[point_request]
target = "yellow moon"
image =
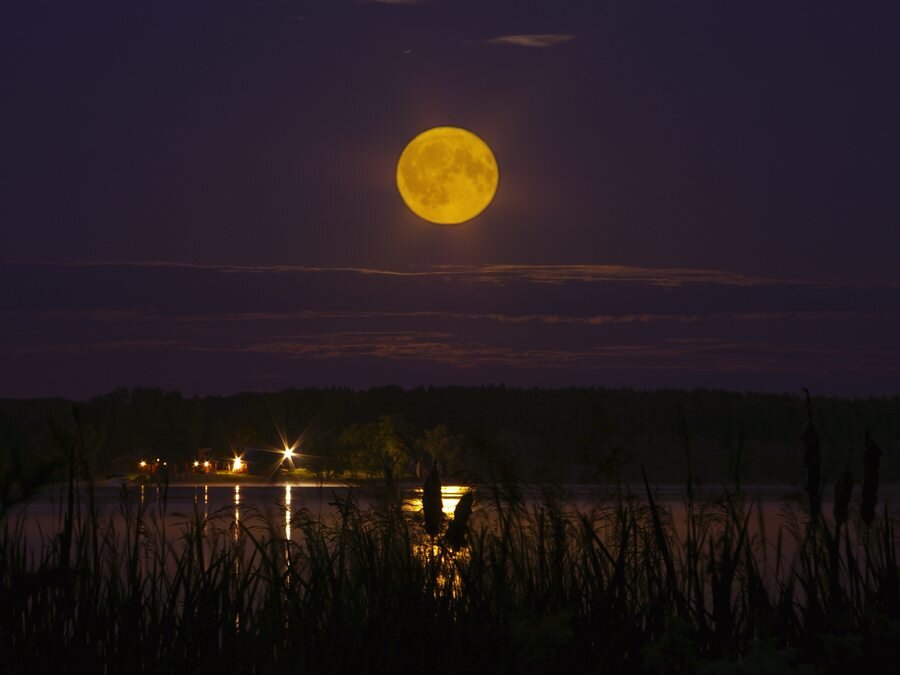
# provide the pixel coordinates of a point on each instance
(447, 175)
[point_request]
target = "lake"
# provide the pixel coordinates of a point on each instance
(225, 505)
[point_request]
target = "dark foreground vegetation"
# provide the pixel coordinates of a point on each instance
(527, 584)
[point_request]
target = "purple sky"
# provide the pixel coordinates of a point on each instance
(200, 195)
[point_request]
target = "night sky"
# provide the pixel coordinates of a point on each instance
(201, 195)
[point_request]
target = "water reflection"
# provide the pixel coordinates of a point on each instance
(237, 511)
(450, 496)
(237, 557)
(287, 550)
(205, 522)
(442, 562)
(287, 512)
(287, 531)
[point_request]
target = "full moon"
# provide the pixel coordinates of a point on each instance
(447, 175)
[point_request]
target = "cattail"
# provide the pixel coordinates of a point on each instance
(456, 530)
(432, 502)
(843, 489)
(812, 461)
(871, 461)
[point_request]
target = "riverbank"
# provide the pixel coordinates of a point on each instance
(174, 580)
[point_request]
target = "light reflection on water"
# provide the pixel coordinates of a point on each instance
(287, 547)
(450, 495)
(237, 558)
(287, 512)
(237, 511)
(444, 563)
(225, 509)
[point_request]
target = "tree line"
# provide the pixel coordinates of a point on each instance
(570, 434)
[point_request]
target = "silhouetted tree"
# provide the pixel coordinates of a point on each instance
(546, 433)
(439, 447)
(375, 447)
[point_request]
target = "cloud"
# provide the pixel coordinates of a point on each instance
(360, 324)
(517, 316)
(393, 2)
(106, 347)
(458, 347)
(130, 316)
(532, 40)
(667, 277)
(654, 276)
(697, 355)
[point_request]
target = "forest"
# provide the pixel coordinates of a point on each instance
(562, 435)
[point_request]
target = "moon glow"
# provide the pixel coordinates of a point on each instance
(447, 175)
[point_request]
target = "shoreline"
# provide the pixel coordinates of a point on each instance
(567, 490)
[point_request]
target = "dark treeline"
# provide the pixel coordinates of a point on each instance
(561, 434)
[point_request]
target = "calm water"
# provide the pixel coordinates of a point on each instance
(276, 504)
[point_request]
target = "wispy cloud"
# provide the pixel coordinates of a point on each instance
(543, 323)
(654, 276)
(699, 355)
(114, 315)
(105, 347)
(532, 40)
(489, 273)
(704, 355)
(392, 2)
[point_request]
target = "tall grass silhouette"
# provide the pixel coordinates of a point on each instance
(522, 579)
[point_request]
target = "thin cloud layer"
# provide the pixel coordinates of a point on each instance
(447, 349)
(532, 40)
(211, 328)
(103, 315)
(496, 273)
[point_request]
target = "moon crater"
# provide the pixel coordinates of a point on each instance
(447, 175)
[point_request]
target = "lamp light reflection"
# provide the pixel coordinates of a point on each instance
(237, 510)
(287, 512)
(450, 496)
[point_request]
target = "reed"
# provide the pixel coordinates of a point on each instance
(527, 582)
